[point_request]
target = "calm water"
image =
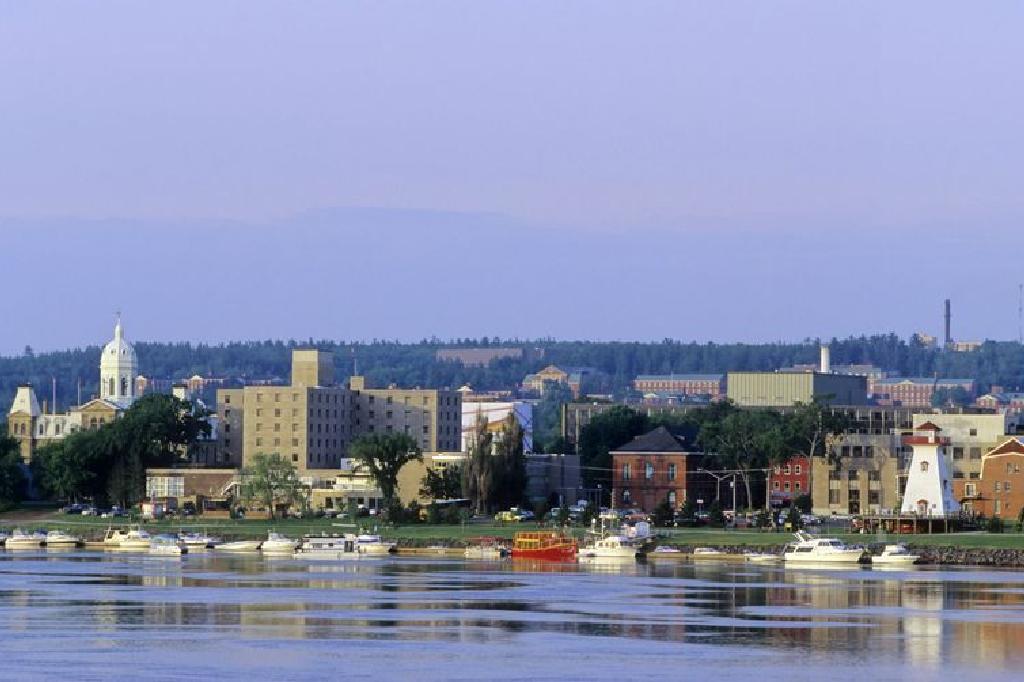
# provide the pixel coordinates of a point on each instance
(90, 615)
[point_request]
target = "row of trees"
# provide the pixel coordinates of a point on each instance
(109, 464)
(12, 479)
(416, 364)
(743, 440)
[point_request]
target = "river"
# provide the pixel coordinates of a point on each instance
(93, 615)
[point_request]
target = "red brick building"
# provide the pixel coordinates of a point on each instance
(1000, 492)
(651, 469)
(711, 385)
(789, 480)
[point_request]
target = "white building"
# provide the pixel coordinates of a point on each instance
(929, 490)
(496, 413)
(118, 370)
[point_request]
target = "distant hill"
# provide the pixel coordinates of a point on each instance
(417, 364)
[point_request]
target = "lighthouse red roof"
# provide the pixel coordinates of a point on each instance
(927, 426)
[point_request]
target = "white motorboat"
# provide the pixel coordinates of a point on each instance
(239, 546)
(133, 540)
(486, 548)
(665, 549)
(278, 544)
(58, 538)
(197, 541)
(609, 547)
(761, 557)
(328, 547)
(374, 544)
(20, 539)
(812, 550)
(895, 555)
(708, 553)
(166, 545)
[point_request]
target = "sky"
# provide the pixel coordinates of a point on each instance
(727, 171)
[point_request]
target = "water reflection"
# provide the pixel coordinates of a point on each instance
(754, 616)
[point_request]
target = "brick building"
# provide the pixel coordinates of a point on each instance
(790, 480)
(711, 385)
(653, 468)
(1000, 492)
(914, 391)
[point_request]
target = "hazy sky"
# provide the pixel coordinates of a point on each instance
(700, 170)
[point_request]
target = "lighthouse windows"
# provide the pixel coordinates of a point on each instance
(924, 467)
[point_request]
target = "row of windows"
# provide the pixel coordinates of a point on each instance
(785, 486)
(787, 470)
(627, 471)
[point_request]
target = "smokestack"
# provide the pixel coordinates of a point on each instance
(825, 366)
(949, 329)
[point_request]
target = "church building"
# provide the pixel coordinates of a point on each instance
(33, 427)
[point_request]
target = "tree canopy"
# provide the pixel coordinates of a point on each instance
(272, 481)
(12, 477)
(383, 455)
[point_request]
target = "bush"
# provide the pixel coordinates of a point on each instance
(994, 525)
(663, 514)
(715, 515)
(803, 503)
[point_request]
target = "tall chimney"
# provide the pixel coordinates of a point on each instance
(949, 329)
(825, 367)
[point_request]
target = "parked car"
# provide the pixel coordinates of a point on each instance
(89, 511)
(75, 508)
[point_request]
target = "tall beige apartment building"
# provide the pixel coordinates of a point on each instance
(312, 422)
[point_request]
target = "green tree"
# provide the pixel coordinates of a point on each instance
(663, 514)
(478, 471)
(272, 480)
(383, 456)
(605, 432)
(812, 428)
(509, 465)
(443, 483)
(547, 417)
(12, 477)
(745, 440)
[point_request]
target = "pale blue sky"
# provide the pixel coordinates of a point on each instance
(701, 170)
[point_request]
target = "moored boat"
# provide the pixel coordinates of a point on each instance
(58, 538)
(610, 547)
(373, 544)
(895, 555)
(812, 550)
(707, 553)
(328, 547)
(134, 539)
(762, 557)
(544, 545)
(21, 539)
(197, 541)
(239, 546)
(278, 544)
(486, 548)
(166, 545)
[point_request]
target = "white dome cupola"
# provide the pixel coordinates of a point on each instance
(118, 369)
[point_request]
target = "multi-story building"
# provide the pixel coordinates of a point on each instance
(1000, 492)
(783, 389)
(495, 413)
(1002, 401)
(312, 422)
(578, 379)
(789, 480)
(914, 391)
(868, 470)
(710, 385)
(653, 469)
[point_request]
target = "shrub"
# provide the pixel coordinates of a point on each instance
(994, 525)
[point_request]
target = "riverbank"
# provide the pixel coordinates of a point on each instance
(974, 548)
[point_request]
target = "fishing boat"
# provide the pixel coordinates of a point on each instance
(610, 547)
(239, 546)
(486, 548)
(895, 555)
(812, 550)
(20, 539)
(278, 544)
(544, 545)
(367, 543)
(134, 539)
(58, 538)
(328, 547)
(166, 545)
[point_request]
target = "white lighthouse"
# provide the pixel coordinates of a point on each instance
(929, 489)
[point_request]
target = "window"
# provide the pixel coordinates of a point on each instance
(648, 470)
(924, 466)
(626, 472)
(974, 475)
(998, 507)
(1006, 486)
(874, 497)
(796, 486)
(851, 475)
(671, 472)
(227, 398)
(970, 489)
(874, 475)
(999, 487)
(776, 485)
(626, 497)
(785, 486)
(778, 470)
(975, 453)
(672, 498)
(787, 470)
(833, 496)
(834, 475)
(958, 453)
(974, 432)
(798, 469)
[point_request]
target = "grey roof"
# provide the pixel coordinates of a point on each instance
(658, 440)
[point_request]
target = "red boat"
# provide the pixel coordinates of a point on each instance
(544, 545)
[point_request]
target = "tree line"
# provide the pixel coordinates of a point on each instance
(416, 364)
